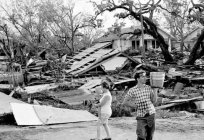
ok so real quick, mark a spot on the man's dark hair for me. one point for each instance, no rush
(137, 74)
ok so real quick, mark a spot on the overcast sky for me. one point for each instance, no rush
(86, 7)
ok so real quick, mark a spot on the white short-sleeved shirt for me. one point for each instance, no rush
(106, 108)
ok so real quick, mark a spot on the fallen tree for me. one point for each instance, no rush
(136, 10)
(196, 13)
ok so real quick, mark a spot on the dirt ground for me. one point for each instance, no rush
(123, 128)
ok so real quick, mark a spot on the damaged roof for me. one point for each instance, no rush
(110, 36)
(87, 57)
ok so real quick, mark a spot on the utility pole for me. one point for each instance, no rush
(142, 35)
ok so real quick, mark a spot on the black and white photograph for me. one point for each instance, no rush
(102, 70)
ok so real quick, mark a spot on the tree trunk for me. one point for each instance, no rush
(195, 54)
(151, 29)
(182, 46)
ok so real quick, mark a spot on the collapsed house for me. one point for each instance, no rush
(107, 57)
(106, 54)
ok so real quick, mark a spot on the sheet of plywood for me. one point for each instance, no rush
(26, 114)
(5, 103)
(73, 97)
(91, 84)
(40, 88)
(75, 100)
(114, 63)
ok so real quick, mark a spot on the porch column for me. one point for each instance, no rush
(169, 43)
(141, 45)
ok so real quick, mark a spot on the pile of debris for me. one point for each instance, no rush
(70, 82)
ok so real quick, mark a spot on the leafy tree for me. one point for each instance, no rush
(25, 18)
(47, 24)
(6, 44)
(65, 24)
(90, 34)
(196, 14)
(134, 10)
(116, 27)
(176, 13)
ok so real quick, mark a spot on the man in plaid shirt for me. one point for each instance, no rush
(142, 97)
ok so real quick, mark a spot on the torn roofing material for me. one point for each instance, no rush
(4, 103)
(114, 63)
(92, 49)
(90, 58)
(85, 58)
(96, 62)
(107, 58)
(43, 115)
(126, 33)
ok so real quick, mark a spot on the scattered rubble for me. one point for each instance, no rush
(69, 82)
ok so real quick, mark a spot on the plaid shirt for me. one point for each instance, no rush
(142, 99)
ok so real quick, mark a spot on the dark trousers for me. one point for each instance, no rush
(145, 127)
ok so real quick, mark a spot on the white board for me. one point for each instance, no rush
(114, 63)
(5, 101)
(51, 115)
(40, 88)
(26, 114)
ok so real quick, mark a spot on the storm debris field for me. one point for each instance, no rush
(52, 61)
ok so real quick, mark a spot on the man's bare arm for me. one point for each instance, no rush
(154, 96)
(126, 102)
